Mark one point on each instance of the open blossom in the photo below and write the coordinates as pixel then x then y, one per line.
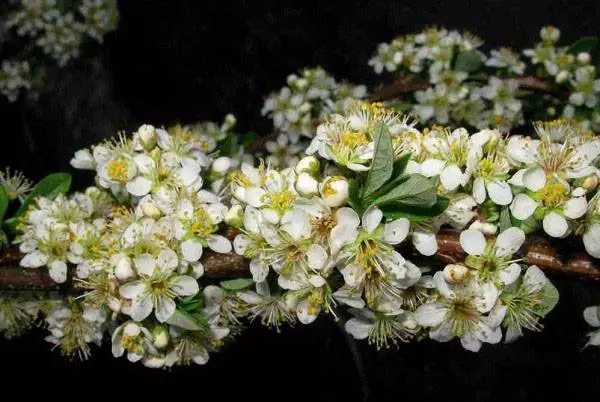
pixel 467 311
pixel 592 317
pixel 157 287
pixel 452 157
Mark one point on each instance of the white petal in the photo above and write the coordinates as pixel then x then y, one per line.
pixel 534 178
pixel 317 281
pixel 523 206
pixel 165 307
pixel 479 193
pixel 371 219
pixel 451 177
pixel 296 223
pixel 347 216
pixel 132 290
pixel 470 342
pixel 167 260
pixel 430 315
pixel 555 225
pixel 592 316
pixel 510 274
pixel 359 329
pixel 353 274
pixel 509 241
pixel 259 271
pixel 191 250
pixel 145 264
pixel 591 240
pixel 472 241
pixel 500 192
pixel 58 271
pixel 425 242
pixel 139 186
pixel 340 236
pixel 432 167
pixel 575 207
pixel 304 313
pixel 517 178
pixel 219 244
pixel 184 285
pixel 534 279
pixel 317 256
pixel 35 259
pixel 396 231
pixel 141 309
pixel 254 196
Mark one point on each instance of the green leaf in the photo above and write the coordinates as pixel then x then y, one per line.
pixel 585 44
pixel 417 190
pixel 228 146
pixel 186 320
pixel 550 298
pixel 354 196
pixel 248 139
pixel 50 186
pixel 400 165
pixel 414 213
pixel 3 202
pixel 383 161
pixel 468 61
pixel 504 222
pixel 237 284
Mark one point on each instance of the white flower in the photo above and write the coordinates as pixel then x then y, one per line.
pixel 334 190
pixel 157 286
pixel 133 338
pixel 592 317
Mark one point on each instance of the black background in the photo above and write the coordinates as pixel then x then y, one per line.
pixel 198 60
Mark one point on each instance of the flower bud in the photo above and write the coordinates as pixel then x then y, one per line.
pixel 590 183
pixel 549 34
pixel 562 77
pixel 147 136
pixel 229 122
pixel 235 216
pixel 221 165
pixel 124 269
pixel 160 337
pixel 149 207
pixel 584 58
pixel 307 185
pixel 308 164
pixel 454 273
pixel 334 190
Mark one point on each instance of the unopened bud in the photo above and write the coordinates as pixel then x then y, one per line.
pixel 549 34
pixel 590 183
pixel 334 191
pixel 308 164
pixel 307 185
pixel 454 273
pixel 221 165
pixel 562 77
pixel 235 216
pixel 584 58
pixel 124 269
pixel 229 122
pixel 160 337
pixel 147 135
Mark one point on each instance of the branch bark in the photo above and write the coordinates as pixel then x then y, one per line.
pixel 536 251
pixel 405 85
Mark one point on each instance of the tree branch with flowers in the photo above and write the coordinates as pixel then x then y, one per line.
pixel 353 210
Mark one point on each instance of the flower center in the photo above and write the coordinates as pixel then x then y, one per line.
pixel 117 170
pixel 552 194
pixel 280 201
pixel 353 139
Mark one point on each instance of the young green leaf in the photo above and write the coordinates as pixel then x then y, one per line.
pixel 3 202
pixel 417 190
pixel 586 44
pixel 354 196
pixel 383 161
pixel 400 165
pixel 468 61
pixel 414 213
pixel 505 221
pixel 186 320
pixel 237 284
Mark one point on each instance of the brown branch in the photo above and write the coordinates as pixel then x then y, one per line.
pixel 405 85
pixel 536 251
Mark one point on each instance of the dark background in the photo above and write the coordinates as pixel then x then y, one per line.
pixel 198 60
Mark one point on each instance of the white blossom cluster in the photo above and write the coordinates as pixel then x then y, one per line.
pixel 464 85
pixel 299 107
pixel 57 30
pixel 14 76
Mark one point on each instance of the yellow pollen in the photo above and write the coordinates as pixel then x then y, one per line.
pixel 352 140
pixel 279 201
pixel 117 170
pixel 552 194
